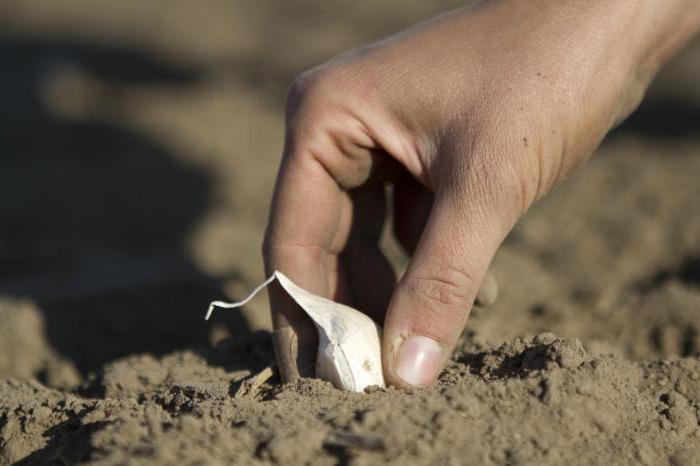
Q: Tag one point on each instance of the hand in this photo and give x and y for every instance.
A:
(471, 117)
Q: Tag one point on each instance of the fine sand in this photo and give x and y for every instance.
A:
(139, 147)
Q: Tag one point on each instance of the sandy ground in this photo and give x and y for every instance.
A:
(138, 146)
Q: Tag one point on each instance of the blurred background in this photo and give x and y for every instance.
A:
(139, 143)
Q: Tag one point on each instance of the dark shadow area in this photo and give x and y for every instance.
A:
(663, 119)
(521, 358)
(687, 272)
(515, 365)
(69, 443)
(93, 216)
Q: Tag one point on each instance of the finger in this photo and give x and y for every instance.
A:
(412, 205)
(326, 156)
(432, 301)
(309, 219)
(488, 291)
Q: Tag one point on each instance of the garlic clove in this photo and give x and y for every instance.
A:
(349, 348)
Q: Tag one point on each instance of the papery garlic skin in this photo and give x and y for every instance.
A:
(349, 342)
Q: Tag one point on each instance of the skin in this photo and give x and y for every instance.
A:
(471, 117)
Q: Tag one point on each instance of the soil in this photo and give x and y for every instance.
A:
(139, 148)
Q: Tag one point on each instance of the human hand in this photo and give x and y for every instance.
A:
(471, 117)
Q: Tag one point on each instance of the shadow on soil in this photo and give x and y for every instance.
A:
(93, 216)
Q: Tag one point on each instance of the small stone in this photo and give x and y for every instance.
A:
(544, 338)
(568, 353)
(42, 413)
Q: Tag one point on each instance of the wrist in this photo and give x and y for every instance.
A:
(656, 31)
(629, 39)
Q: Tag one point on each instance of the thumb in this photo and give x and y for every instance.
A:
(432, 301)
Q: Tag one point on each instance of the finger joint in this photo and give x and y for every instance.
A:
(452, 287)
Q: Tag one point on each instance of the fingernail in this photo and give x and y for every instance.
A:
(419, 360)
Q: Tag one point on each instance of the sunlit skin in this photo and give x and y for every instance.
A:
(472, 116)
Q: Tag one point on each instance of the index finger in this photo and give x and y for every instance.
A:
(309, 222)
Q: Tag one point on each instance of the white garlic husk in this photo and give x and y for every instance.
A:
(349, 348)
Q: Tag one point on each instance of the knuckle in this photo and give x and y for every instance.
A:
(497, 174)
(297, 95)
(299, 87)
(452, 287)
(314, 84)
(311, 100)
(325, 84)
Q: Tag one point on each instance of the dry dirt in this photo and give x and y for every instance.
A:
(138, 149)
